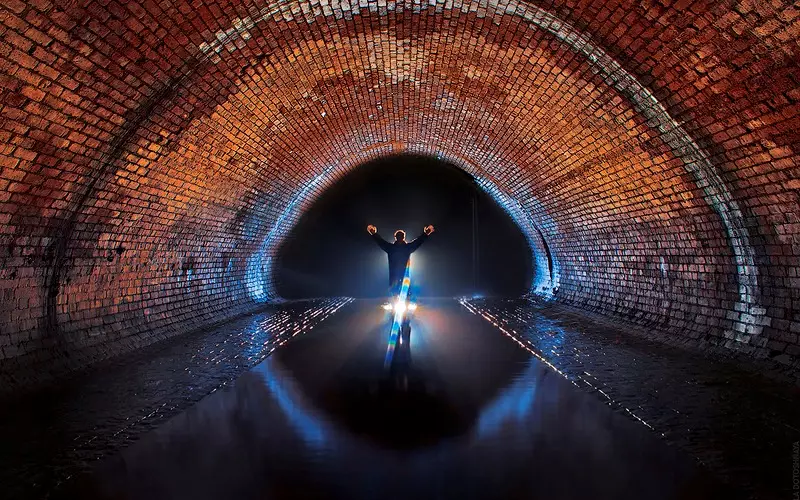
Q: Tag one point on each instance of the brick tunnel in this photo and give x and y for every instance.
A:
(155, 155)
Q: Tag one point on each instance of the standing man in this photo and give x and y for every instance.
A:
(399, 253)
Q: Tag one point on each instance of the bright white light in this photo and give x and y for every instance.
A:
(400, 307)
(412, 307)
(387, 307)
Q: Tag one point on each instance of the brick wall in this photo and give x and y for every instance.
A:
(155, 153)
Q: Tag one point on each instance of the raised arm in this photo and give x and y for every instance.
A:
(373, 231)
(419, 241)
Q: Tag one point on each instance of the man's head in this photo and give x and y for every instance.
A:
(400, 235)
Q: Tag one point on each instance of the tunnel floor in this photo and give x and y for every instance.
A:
(494, 399)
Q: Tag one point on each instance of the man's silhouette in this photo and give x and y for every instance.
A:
(399, 253)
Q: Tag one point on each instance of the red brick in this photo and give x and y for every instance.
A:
(32, 93)
(18, 41)
(625, 218)
(15, 6)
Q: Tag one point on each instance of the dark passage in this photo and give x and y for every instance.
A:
(433, 389)
(328, 253)
(469, 414)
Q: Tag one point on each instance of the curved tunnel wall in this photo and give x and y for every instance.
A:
(155, 154)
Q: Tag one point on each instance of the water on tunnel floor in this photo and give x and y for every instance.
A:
(51, 435)
(461, 412)
(467, 396)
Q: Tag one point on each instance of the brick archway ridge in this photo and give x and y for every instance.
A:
(156, 154)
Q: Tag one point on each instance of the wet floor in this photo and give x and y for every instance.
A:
(494, 399)
(741, 426)
(52, 435)
(461, 411)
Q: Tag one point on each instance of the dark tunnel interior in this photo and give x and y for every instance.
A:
(478, 250)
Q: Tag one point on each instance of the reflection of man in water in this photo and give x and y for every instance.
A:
(399, 253)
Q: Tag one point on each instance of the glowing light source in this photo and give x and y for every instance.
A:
(399, 306)
(399, 313)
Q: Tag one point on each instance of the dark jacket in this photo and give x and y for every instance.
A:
(399, 253)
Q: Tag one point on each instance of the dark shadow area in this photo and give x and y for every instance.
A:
(400, 409)
(59, 431)
(324, 417)
(407, 400)
(329, 252)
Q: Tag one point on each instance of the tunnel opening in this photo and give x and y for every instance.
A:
(475, 251)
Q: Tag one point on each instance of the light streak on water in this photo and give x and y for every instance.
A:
(399, 314)
(515, 403)
(534, 320)
(309, 426)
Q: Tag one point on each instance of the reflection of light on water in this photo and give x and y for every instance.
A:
(527, 347)
(536, 323)
(515, 403)
(399, 313)
(276, 329)
(286, 393)
(305, 422)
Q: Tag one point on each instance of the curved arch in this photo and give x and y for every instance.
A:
(716, 192)
(155, 154)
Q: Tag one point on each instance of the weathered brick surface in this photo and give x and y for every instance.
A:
(151, 149)
(709, 408)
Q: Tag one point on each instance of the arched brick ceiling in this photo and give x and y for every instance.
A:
(155, 153)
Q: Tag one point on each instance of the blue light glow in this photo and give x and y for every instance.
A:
(514, 405)
(547, 275)
(308, 426)
(399, 313)
(258, 277)
(715, 188)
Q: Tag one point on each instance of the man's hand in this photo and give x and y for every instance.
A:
(372, 229)
(428, 230)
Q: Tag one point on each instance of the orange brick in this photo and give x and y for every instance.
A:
(132, 129)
